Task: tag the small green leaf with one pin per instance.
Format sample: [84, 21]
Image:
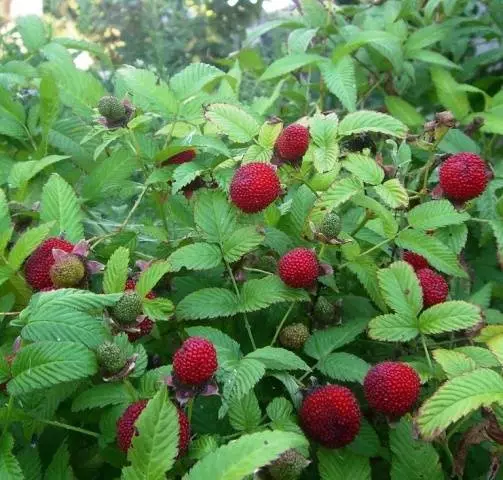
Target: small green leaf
[341, 81]
[278, 359]
[245, 414]
[268, 134]
[26, 244]
[238, 125]
[435, 214]
[393, 328]
[289, 64]
[386, 218]
[454, 363]
[116, 271]
[198, 256]
[344, 366]
[32, 30]
[449, 95]
[393, 193]
[60, 465]
[242, 378]
[22, 172]
[449, 317]
[158, 308]
[208, 303]
[369, 121]
[241, 242]
[299, 39]
[404, 111]
[341, 191]
[365, 168]
[434, 58]
[342, 464]
[151, 276]
[193, 78]
[101, 396]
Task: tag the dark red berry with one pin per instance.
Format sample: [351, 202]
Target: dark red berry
[299, 268]
[195, 362]
[416, 261]
[435, 288]
[182, 157]
[293, 142]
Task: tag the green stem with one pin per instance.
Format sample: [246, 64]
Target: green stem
[426, 352]
[431, 160]
[69, 427]
[257, 270]
[309, 371]
[280, 326]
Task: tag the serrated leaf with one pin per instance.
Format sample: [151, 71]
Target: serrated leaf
[234, 122]
[198, 256]
[435, 214]
[26, 244]
[342, 464]
[302, 203]
[245, 414]
[29, 460]
[315, 14]
[365, 168]
[288, 64]
[22, 172]
[101, 396]
[208, 303]
[438, 255]
[326, 158]
[278, 359]
[449, 317]
[369, 121]
[481, 356]
[243, 377]
[268, 134]
[393, 328]
[9, 466]
[341, 81]
[184, 174]
[454, 363]
[154, 449]
[151, 276]
[367, 442]
[386, 218]
[412, 458]
[116, 271]
[241, 242]
[393, 193]
[44, 364]
[404, 111]
[457, 398]
[242, 457]
[299, 39]
[366, 271]
[32, 30]
[6, 228]
[193, 78]
[60, 468]
[59, 203]
[341, 191]
[344, 366]
[434, 58]
[158, 308]
[279, 409]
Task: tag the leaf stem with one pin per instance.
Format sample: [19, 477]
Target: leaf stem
[426, 352]
[69, 427]
[257, 270]
[280, 326]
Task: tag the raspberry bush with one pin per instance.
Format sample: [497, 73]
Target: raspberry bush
[301, 284]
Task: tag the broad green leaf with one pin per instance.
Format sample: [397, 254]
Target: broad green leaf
[22, 172]
[341, 81]
[393, 193]
[208, 303]
[193, 78]
[438, 255]
[151, 276]
[32, 30]
[241, 242]
[244, 456]
[393, 328]
[101, 396]
[434, 58]
[456, 141]
[342, 464]
[242, 378]
[234, 122]
[404, 111]
[245, 414]
[299, 39]
[214, 216]
[457, 398]
[288, 64]
[345, 367]
[302, 203]
[60, 465]
[197, 256]
[495, 344]
[116, 271]
[9, 466]
[454, 363]
[482, 297]
[26, 244]
[279, 409]
[257, 153]
[59, 203]
[44, 364]
[435, 214]
[323, 129]
[278, 359]
[449, 317]
[367, 442]
[365, 168]
[412, 458]
[154, 449]
[369, 121]
[448, 93]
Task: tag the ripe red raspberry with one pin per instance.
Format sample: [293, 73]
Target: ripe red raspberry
[38, 266]
[299, 268]
[126, 427]
[131, 285]
[331, 416]
[392, 388]
[417, 262]
[435, 288]
[195, 362]
[182, 157]
[463, 176]
[254, 187]
[293, 142]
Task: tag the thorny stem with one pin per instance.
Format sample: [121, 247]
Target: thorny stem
[280, 326]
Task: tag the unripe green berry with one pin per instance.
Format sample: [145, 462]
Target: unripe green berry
[324, 310]
[294, 336]
[111, 108]
[111, 357]
[288, 466]
[127, 308]
[331, 226]
[68, 271]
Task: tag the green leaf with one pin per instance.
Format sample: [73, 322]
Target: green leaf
[393, 328]
[344, 366]
[404, 111]
[366, 271]
[208, 303]
[151, 276]
[454, 236]
[154, 449]
[434, 58]
[158, 308]
[494, 342]
[386, 218]
[454, 363]
[457, 398]
[245, 414]
[481, 356]
[6, 228]
[367, 442]
[22, 172]
[482, 297]
[193, 78]
[365, 168]
[279, 409]
[369, 121]
[401, 290]
[342, 464]
[60, 468]
[232, 121]
[288, 64]
[198, 256]
[49, 104]
[435, 214]
[449, 95]
[29, 460]
[116, 271]
[59, 203]
[340, 191]
[184, 174]
[101, 396]
[242, 378]
[278, 359]
[426, 36]
[268, 134]
[314, 13]
[241, 242]
[341, 81]
[322, 342]
[299, 39]
[44, 364]
[32, 30]
[26, 244]
[302, 203]
[244, 456]
[9, 466]
[393, 193]
[438, 255]
[449, 317]
[412, 458]
[214, 216]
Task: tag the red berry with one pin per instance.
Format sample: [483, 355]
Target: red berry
[126, 427]
[195, 362]
[299, 268]
[331, 416]
[463, 176]
[435, 288]
[182, 157]
[38, 266]
[293, 142]
[392, 388]
[254, 187]
[416, 261]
